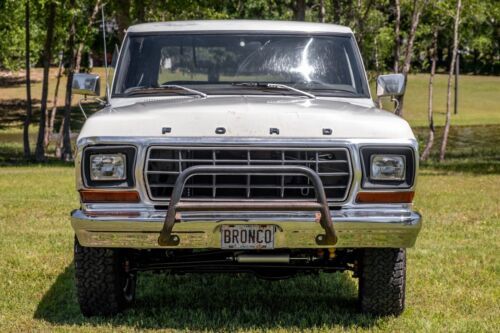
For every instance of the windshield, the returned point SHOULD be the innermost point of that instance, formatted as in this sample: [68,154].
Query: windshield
[219,64]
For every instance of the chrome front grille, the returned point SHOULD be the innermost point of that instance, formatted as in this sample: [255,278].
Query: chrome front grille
[163,165]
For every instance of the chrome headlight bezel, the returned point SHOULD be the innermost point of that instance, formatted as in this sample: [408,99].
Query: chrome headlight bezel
[406,181]
[128,179]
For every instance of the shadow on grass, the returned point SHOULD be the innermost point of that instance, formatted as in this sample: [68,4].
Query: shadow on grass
[471,149]
[486,167]
[219,302]
[13,113]
[12,155]
[14,81]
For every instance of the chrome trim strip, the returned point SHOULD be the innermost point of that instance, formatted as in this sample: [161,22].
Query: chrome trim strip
[235,141]
[338,216]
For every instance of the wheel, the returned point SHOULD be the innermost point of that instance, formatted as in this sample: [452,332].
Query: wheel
[382,279]
[104,287]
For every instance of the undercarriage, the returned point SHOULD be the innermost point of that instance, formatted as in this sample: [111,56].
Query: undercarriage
[264,264]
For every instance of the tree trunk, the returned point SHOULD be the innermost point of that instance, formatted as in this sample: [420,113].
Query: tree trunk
[336,11]
[59,145]
[50,123]
[300,10]
[457,73]
[66,154]
[359,26]
[27,120]
[122,17]
[90,23]
[321,12]
[430,139]
[47,56]
[397,35]
[450,76]
[475,61]
[78,60]
[417,10]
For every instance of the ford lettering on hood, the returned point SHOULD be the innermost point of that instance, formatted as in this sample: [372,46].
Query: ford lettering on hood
[247,116]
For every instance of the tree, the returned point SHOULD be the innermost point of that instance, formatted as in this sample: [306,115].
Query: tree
[86,33]
[336,11]
[430,140]
[417,10]
[361,17]
[50,120]
[450,76]
[122,16]
[300,10]
[27,120]
[12,33]
[397,35]
[321,11]
[66,154]
[140,10]
[47,56]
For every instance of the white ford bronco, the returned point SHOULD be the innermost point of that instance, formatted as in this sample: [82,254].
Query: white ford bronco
[243,147]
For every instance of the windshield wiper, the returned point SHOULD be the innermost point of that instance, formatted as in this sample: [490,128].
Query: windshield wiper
[325,86]
[274,86]
[176,86]
[142,89]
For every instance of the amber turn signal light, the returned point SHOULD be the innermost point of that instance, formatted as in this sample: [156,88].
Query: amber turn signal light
[105,196]
[385,197]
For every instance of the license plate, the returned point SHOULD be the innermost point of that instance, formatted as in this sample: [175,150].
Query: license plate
[247,237]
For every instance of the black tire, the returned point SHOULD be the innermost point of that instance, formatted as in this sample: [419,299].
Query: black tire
[104,288]
[382,280]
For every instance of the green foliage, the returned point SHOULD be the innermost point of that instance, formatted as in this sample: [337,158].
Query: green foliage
[385,43]
[372,21]
[12,34]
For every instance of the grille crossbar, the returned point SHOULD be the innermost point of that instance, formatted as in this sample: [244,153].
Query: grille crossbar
[164,164]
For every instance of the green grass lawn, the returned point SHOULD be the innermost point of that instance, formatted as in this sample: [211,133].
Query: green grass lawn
[453,272]
[478,100]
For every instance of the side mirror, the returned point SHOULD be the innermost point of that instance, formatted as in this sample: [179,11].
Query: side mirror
[390,85]
[86,84]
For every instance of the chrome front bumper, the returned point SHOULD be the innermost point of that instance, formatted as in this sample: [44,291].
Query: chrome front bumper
[355,228]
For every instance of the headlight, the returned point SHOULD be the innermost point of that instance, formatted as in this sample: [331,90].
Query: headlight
[108,167]
[387,167]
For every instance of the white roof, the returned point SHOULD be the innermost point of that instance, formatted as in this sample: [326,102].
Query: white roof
[240,25]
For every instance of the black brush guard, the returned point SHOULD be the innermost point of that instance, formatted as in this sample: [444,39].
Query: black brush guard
[167,239]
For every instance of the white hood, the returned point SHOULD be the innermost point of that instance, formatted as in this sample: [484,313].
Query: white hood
[247,116]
